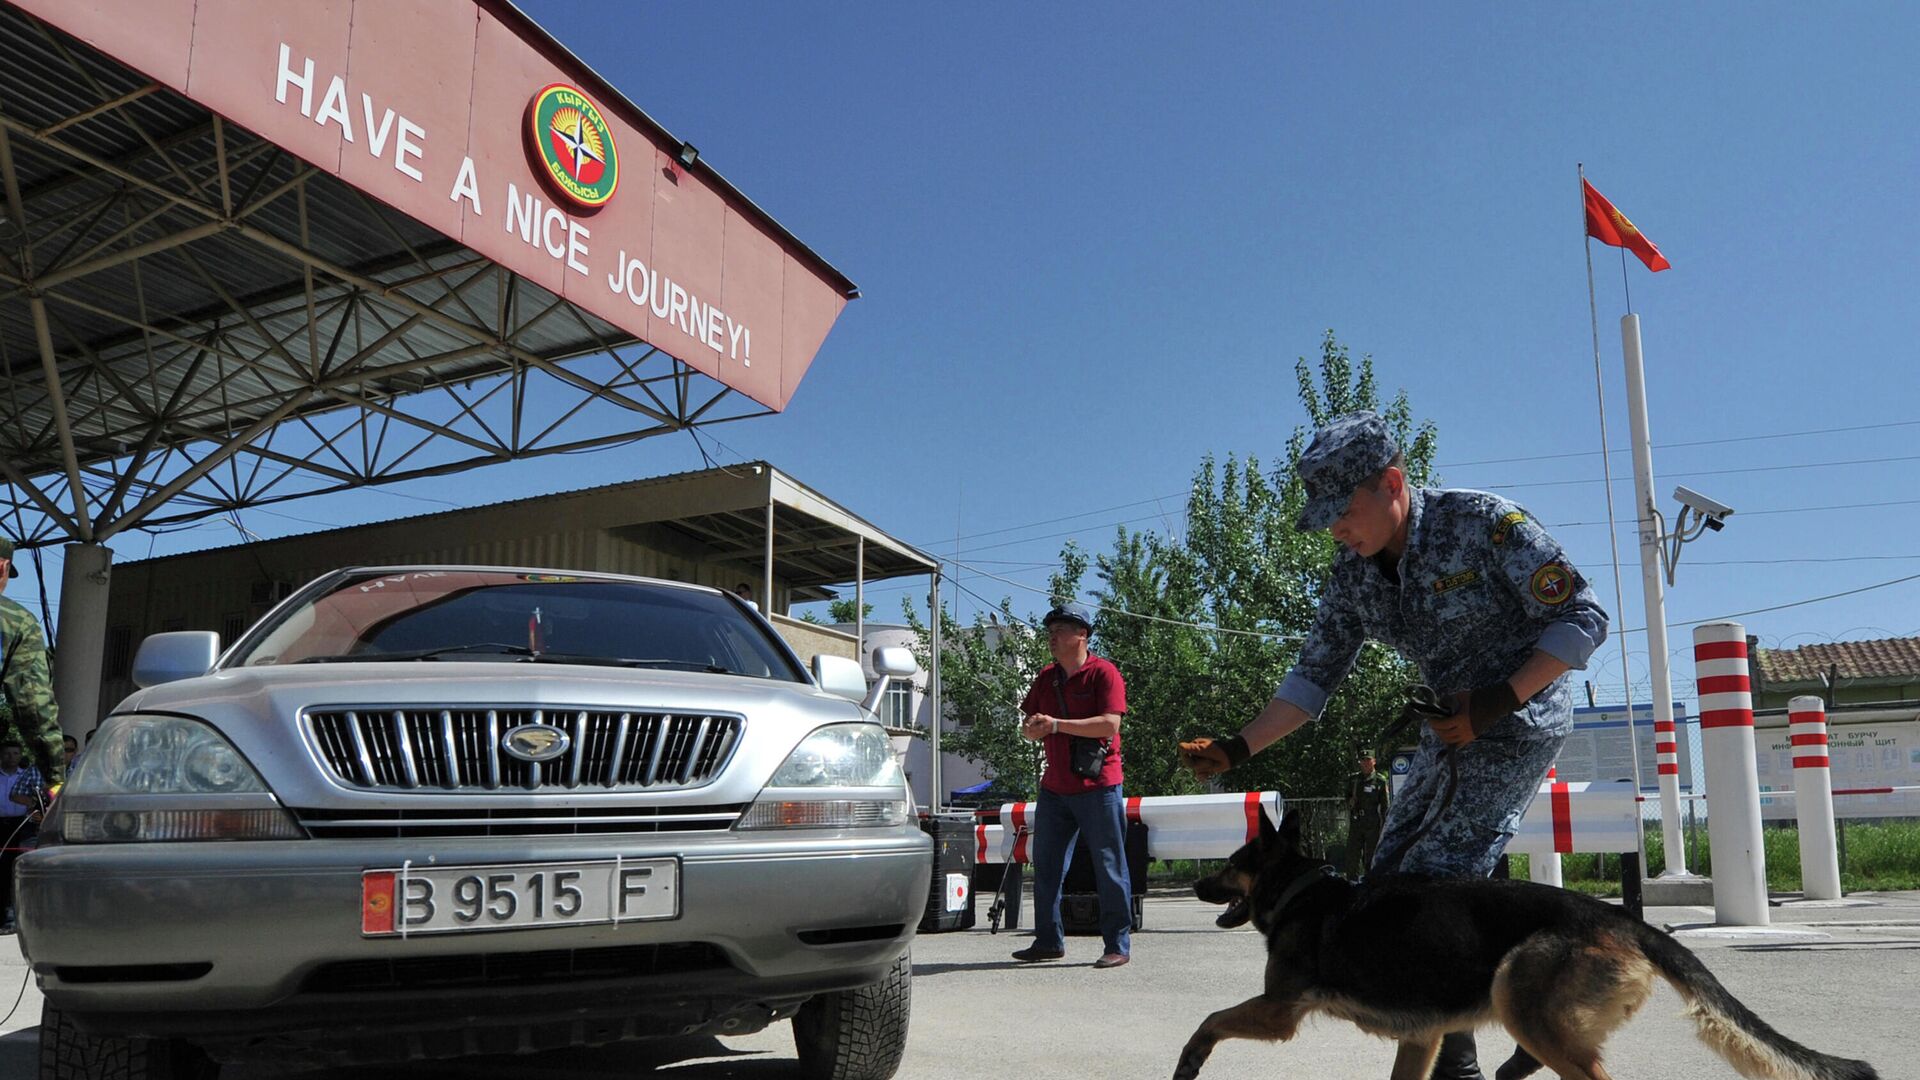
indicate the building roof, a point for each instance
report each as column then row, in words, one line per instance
column 817, row 542
column 1884, row 658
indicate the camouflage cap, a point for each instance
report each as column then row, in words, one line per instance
column 1343, row 455
column 6, row 552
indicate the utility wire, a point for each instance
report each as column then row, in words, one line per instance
column 1678, row 445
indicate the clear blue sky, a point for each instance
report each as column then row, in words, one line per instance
column 1091, row 250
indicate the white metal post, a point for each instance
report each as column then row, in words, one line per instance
column 1666, row 743
column 935, row 797
column 1813, row 798
column 1545, row 867
column 1733, row 780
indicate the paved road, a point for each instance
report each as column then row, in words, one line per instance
column 1840, row 978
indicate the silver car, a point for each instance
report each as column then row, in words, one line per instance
column 437, row 811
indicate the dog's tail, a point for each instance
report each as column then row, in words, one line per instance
column 1747, row 1042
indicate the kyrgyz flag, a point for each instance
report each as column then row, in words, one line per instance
column 1610, row 226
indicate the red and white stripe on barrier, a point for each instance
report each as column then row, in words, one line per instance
column 1807, row 732
column 1178, row 826
column 1580, row 816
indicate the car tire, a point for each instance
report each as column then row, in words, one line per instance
column 67, row 1053
column 857, row 1034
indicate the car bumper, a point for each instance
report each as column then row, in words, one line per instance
column 261, row 939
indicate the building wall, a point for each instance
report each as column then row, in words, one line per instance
column 813, row 639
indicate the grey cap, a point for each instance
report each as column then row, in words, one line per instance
column 6, row 552
column 1343, row 455
column 1069, row 612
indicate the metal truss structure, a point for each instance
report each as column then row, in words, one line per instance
column 194, row 321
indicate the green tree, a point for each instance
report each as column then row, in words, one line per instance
column 1204, row 627
column 841, row 611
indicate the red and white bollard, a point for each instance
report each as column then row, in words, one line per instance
column 1813, row 798
column 1733, row 779
column 1544, row 867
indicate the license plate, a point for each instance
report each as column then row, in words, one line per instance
column 459, row 899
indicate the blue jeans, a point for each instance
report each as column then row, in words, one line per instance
column 1057, row 822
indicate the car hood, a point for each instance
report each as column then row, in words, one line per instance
column 258, row 709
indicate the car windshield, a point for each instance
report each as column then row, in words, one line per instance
column 513, row 617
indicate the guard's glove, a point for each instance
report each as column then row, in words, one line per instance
column 1208, row 758
column 1490, row 704
column 1474, row 713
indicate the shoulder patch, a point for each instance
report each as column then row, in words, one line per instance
column 1505, row 525
column 1552, row 584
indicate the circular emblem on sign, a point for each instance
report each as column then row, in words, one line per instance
column 1552, row 584
column 535, row 742
column 574, row 145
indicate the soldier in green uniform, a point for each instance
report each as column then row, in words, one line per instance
column 1366, row 812
column 28, row 710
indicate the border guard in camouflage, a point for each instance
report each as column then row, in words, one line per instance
column 1473, row 592
column 28, row 707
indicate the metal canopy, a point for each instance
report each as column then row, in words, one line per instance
column 193, row 320
column 815, row 541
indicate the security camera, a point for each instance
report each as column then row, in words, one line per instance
column 1713, row 513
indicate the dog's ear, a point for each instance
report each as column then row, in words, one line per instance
column 1288, row 835
column 1267, row 834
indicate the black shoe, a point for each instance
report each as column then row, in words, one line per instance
column 1458, row 1059
column 1033, row 953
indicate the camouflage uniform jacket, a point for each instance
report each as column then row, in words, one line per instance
column 29, row 689
column 1481, row 586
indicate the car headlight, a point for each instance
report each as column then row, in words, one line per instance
column 159, row 778
column 810, row 790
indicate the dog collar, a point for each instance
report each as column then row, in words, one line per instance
column 1301, row 884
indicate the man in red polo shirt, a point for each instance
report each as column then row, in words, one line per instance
column 1078, row 695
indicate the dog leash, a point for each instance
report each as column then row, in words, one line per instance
column 1423, row 703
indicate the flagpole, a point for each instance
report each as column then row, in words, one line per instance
column 1613, row 535
column 1625, row 282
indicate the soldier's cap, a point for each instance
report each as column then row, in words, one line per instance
column 6, row 552
column 1073, row 613
column 1364, row 753
column 1343, row 455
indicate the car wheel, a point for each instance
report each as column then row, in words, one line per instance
column 67, row 1053
column 857, row 1034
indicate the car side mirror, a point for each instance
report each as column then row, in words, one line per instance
column 890, row 662
column 175, row 655
column 895, row 662
column 840, row 677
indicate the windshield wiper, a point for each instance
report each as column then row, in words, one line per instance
column 421, row 654
column 628, row 661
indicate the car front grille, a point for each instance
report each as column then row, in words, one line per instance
column 375, row 824
column 429, row 750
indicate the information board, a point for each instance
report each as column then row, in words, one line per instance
column 1883, row 753
column 1598, row 749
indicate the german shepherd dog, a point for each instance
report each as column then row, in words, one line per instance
column 1411, row 958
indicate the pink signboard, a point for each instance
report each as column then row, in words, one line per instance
column 462, row 115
